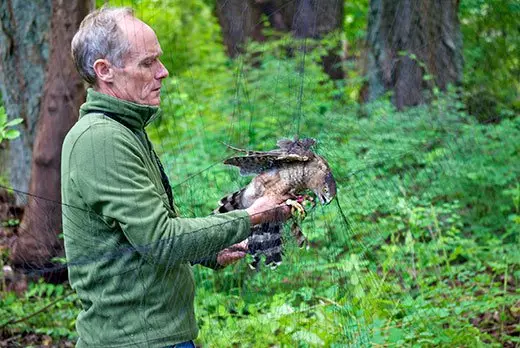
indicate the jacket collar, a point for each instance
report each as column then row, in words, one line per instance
column 130, row 114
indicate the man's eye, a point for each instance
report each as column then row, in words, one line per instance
column 147, row 63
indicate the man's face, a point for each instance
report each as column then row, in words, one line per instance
column 140, row 79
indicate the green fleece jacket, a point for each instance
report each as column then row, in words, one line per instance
column 128, row 252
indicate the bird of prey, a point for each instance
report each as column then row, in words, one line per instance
column 291, row 169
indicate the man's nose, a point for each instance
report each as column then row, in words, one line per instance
column 162, row 72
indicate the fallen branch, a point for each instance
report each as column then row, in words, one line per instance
column 16, row 321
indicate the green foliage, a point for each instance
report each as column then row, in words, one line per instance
column 25, row 315
column 431, row 199
column 355, row 24
column 491, row 51
column 187, row 30
column 11, row 223
column 6, row 133
column 426, row 251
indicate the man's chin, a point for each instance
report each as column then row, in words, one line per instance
column 153, row 102
column 156, row 100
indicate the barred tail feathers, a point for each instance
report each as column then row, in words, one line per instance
column 231, row 202
column 265, row 239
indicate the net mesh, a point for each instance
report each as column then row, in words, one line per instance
column 369, row 259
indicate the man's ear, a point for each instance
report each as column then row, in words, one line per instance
column 103, row 70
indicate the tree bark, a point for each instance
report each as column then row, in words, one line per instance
column 242, row 19
column 239, row 20
column 314, row 19
column 64, row 92
column 311, row 18
column 24, row 51
column 409, row 40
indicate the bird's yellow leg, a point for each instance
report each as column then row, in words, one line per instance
column 300, row 203
column 296, row 207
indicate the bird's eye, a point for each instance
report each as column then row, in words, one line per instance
column 325, row 189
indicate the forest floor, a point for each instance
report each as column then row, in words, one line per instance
column 10, row 217
column 428, row 257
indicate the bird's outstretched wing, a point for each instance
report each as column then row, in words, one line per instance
column 256, row 162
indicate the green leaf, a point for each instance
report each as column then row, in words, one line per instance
column 308, row 337
column 49, row 290
column 283, row 310
column 395, row 335
column 3, row 116
column 12, row 134
column 14, row 122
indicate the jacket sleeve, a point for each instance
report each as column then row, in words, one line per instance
column 108, row 168
column 209, row 262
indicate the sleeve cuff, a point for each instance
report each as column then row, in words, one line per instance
column 211, row 261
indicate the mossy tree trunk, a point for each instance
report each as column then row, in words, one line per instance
column 414, row 46
column 63, row 93
column 24, row 51
column 241, row 20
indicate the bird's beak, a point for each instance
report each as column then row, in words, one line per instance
column 326, row 199
column 323, row 197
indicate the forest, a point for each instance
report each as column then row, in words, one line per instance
column 414, row 104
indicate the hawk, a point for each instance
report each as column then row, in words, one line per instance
column 291, row 169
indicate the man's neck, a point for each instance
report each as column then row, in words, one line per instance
column 108, row 90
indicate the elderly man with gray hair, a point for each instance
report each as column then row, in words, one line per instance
column 129, row 253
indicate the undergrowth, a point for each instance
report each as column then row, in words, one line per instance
column 420, row 248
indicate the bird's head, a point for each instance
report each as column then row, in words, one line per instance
column 322, row 181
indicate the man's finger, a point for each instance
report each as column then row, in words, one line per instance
column 236, row 255
column 242, row 246
column 283, row 212
column 226, row 258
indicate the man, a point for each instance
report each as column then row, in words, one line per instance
column 128, row 252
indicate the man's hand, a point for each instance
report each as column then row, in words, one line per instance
column 269, row 209
column 232, row 254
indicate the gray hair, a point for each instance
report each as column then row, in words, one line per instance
column 100, row 37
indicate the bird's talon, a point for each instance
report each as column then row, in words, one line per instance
column 296, row 207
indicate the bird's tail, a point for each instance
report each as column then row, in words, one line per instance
column 266, row 239
column 231, row 202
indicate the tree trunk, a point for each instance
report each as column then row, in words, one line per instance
column 414, row 45
column 311, row 18
column 239, row 20
column 63, row 94
column 242, row 19
column 315, row 19
column 24, row 51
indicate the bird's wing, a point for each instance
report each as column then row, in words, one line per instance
column 255, row 162
column 259, row 163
